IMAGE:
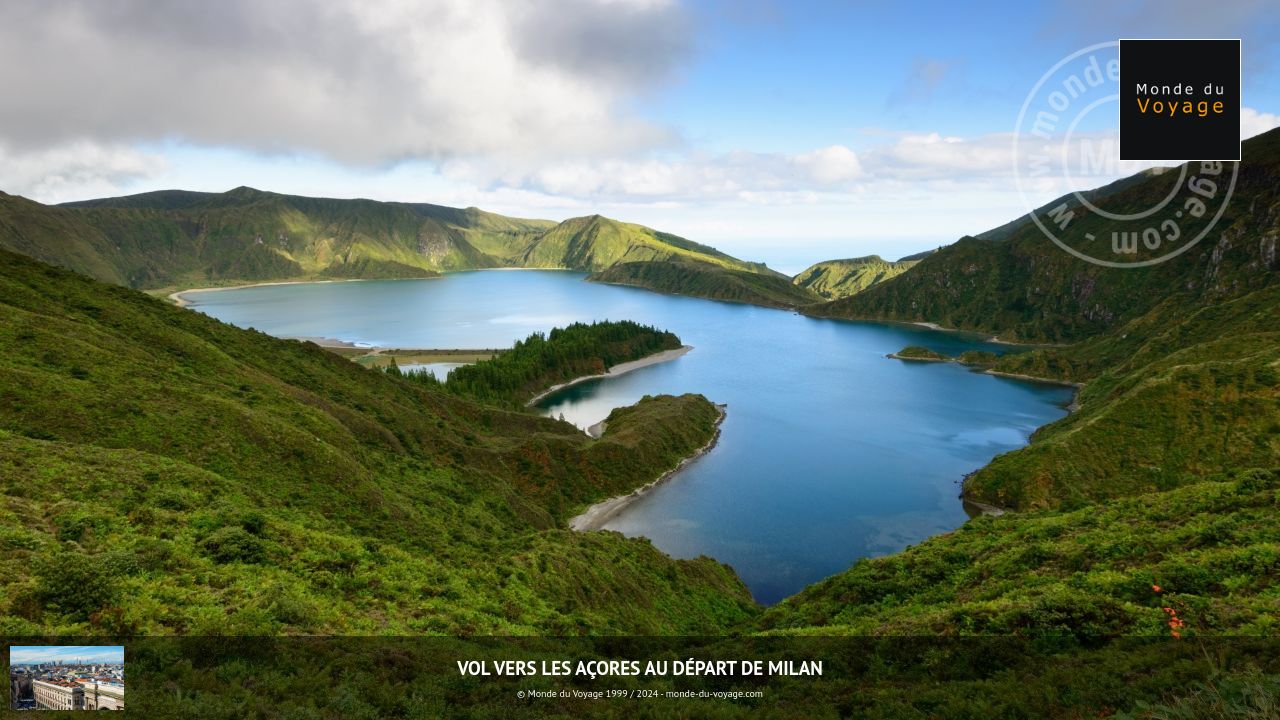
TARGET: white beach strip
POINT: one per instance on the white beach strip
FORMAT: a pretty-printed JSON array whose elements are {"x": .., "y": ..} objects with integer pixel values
[
  {"x": 618, "y": 369},
  {"x": 178, "y": 298},
  {"x": 594, "y": 517},
  {"x": 181, "y": 301}
]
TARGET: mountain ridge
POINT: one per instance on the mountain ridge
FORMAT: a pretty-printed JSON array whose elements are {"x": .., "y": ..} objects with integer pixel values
[
  {"x": 1013, "y": 282},
  {"x": 179, "y": 238}
]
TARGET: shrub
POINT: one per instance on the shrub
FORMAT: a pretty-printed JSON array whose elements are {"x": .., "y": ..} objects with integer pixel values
[
  {"x": 121, "y": 562},
  {"x": 233, "y": 544},
  {"x": 18, "y": 538},
  {"x": 153, "y": 554},
  {"x": 74, "y": 584},
  {"x": 173, "y": 499},
  {"x": 253, "y": 521},
  {"x": 73, "y": 527}
]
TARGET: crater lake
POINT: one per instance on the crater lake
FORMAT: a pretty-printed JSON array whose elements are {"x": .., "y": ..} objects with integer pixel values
[{"x": 829, "y": 452}]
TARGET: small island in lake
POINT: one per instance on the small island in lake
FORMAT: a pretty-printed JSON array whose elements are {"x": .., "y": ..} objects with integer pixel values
[{"x": 919, "y": 354}]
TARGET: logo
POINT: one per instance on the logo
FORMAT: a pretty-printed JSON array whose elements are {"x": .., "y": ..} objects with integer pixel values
[
  {"x": 1180, "y": 99},
  {"x": 1110, "y": 212}
]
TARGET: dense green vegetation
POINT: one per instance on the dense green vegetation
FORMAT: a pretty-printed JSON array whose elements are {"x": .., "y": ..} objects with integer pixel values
[
  {"x": 165, "y": 473},
  {"x": 542, "y": 360},
  {"x": 705, "y": 280},
  {"x": 1170, "y": 399},
  {"x": 186, "y": 239},
  {"x": 362, "y": 268},
  {"x": 915, "y": 352},
  {"x": 834, "y": 279},
  {"x": 1088, "y": 574}
]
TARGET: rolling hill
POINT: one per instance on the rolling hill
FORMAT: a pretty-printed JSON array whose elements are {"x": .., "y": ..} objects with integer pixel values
[
  {"x": 834, "y": 279},
  {"x": 180, "y": 238}
]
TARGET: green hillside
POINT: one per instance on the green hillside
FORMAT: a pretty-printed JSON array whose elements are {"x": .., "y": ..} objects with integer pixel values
[
  {"x": 1210, "y": 547},
  {"x": 177, "y": 238},
  {"x": 706, "y": 280},
  {"x": 165, "y": 473},
  {"x": 595, "y": 243},
  {"x": 832, "y": 279},
  {"x": 1024, "y": 288},
  {"x": 1173, "y": 397}
]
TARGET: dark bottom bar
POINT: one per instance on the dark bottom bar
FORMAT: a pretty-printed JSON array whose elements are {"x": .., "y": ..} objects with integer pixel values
[{"x": 361, "y": 677}]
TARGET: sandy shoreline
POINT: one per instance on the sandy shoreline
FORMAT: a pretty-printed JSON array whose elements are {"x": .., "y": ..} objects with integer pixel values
[
  {"x": 177, "y": 297},
  {"x": 1073, "y": 406},
  {"x": 983, "y": 508},
  {"x": 989, "y": 338},
  {"x": 180, "y": 301},
  {"x": 616, "y": 370},
  {"x": 594, "y": 517},
  {"x": 1033, "y": 378}
]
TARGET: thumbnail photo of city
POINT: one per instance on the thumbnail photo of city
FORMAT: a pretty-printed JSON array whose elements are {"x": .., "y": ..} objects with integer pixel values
[{"x": 66, "y": 677}]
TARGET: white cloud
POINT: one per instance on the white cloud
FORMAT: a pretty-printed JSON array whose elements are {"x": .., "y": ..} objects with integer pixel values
[
  {"x": 75, "y": 170},
  {"x": 364, "y": 83},
  {"x": 692, "y": 177},
  {"x": 932, "y": 156},
  {"x": 829, "y": 165},
  {"x": 1253, "y": 122}
]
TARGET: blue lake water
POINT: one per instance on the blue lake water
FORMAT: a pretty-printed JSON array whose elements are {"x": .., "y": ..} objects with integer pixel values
[{"x": 830, "y": 451}]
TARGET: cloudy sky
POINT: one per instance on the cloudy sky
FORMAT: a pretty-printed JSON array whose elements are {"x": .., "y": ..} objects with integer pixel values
[
  {"x": 780, "y": 131},
  {"x": 33, "y": 654}
]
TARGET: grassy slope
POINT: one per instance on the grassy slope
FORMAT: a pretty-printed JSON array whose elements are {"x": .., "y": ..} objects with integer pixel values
[
  {"x": 1174, "y": 396},
  {"x": 832, "y": 279},
  {"x": 1212, "y": 547},
  {"x": 221, "y": 481},
  {"x": 705, "y": 280}
]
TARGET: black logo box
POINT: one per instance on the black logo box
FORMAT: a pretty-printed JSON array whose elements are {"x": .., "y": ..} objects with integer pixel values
[{"x": 1185, "y": 67}]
